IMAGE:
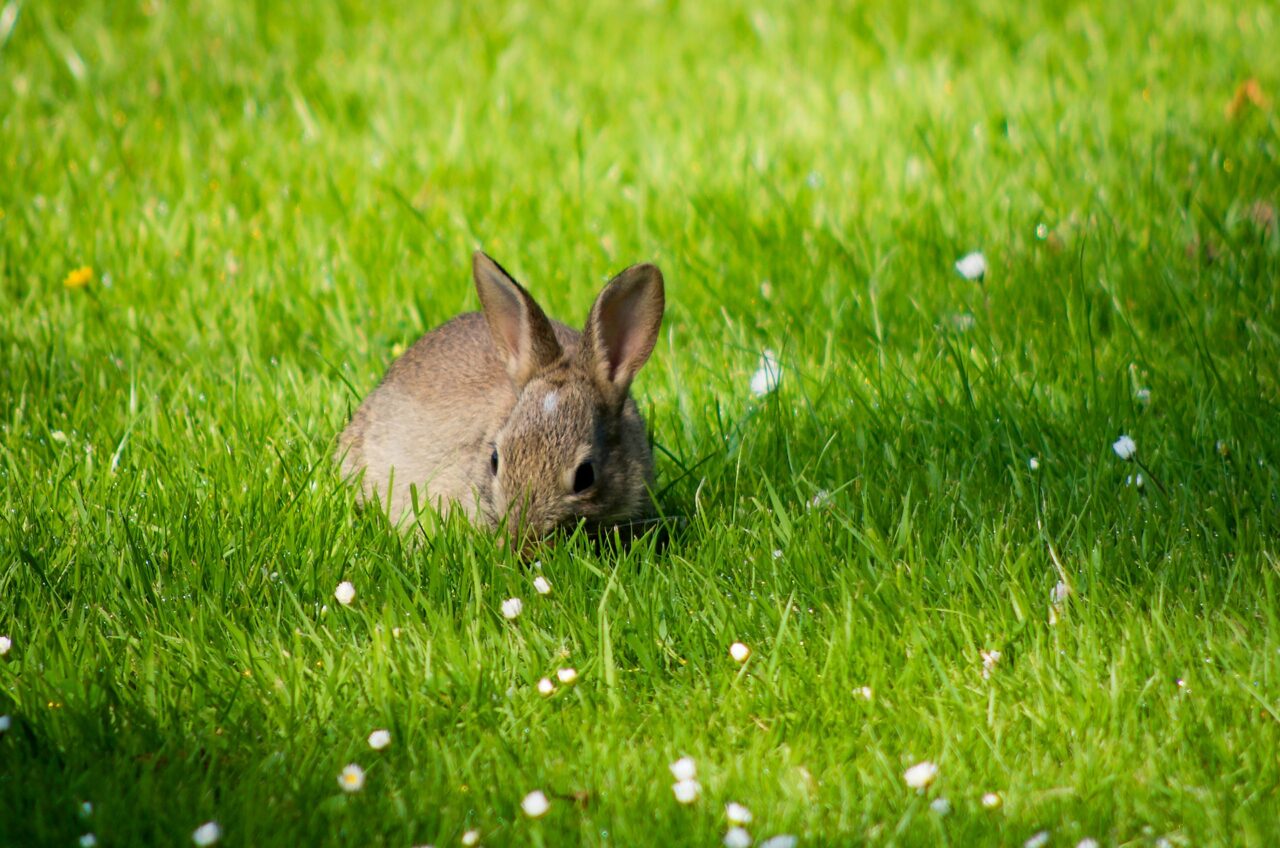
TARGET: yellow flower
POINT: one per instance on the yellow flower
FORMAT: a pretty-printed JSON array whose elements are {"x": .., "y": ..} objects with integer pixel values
[{"x": 79, "y": 278}]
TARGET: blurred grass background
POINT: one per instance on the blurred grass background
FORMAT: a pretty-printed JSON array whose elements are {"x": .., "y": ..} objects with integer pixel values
[{"x": 273, "y": 198}]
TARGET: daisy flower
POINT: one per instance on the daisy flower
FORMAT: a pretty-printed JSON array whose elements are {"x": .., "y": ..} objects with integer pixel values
[
  {"x": 684, "y": 769},
  {"x": 972, "y": 266},
  {"x": 567, "y": 676},
  {"x": 511, "y": 608},
  {"x": 207, "y": 833},
  {"x": 345, "y": 593},
  {"x": 546, "y": 688},
  {"x": 6, "y": 644},
  {"x": 535, "y": 804},
  {"x": 352, "y": 778},
  {"x": 920, "y": 775},
  {"x": 992, "y": 801},
  {"x": 737, "y": 814},
  {"x": 768, "y": 374},
  {"x": 542, "y": 585},
  {"x": 1125, "y": 447},
  {"x": 686, "y": 791},
  {"x": 739, "y": 652},
  {"x": 470, "y": 838},
  {"x": 737, "y": 838},
  {"x": 989, "y": 660},
  {"x": 379, "y": 739},
  {"x": 88, "y": 841}
]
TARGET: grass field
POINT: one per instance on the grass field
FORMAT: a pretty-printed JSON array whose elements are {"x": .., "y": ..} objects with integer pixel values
[{"x": 273, "y": 199}]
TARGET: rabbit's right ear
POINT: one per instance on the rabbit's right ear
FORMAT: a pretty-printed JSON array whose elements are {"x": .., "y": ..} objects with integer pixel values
[{"x": 522, "y": 335}]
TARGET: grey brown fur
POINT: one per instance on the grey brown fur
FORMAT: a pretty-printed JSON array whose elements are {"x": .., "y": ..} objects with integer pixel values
[{"x": 547, "y": 397}]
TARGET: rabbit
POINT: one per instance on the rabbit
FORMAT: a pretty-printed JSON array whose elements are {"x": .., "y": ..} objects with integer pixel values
[{"x": 515, "y": 419}]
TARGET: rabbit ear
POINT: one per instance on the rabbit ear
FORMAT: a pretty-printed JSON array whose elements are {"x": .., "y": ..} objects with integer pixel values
[
  {"x": 522, "y": 335},
  {"x": 623, "y": 327}
]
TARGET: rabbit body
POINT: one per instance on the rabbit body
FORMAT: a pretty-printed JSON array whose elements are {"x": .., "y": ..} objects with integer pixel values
[{"x": 508, "y": 415}]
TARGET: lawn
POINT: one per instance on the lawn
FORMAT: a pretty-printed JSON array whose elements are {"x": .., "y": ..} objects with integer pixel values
[{"x": 220, "y": 221}]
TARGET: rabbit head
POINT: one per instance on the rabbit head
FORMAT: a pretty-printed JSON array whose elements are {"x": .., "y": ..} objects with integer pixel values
[{"x": 574, "y": 446}]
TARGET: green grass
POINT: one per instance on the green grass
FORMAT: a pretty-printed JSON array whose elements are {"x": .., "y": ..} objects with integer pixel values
[{"x": 273, "y": 200}]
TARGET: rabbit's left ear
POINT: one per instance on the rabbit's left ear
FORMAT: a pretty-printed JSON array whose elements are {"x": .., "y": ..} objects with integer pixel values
[
  {"x": 623, "y": 328},
  {"x": 521, "y": 333}
]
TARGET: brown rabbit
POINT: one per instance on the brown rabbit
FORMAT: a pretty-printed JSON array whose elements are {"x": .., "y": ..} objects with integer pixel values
[{"x": 508, "y": 415}]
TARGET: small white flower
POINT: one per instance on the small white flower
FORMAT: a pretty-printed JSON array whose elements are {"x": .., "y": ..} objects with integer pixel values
[
  {"x": 535, "y": 804},
  {"x": 542, "y": 585},
  {"x": 379, "y": 739},
  {"x": 992, "y": 801},
  {"x": 1125, "y": 447},
  {"x": 352, "y": 778},
  {"x": 1143, "y": 395},
  {"x": 820, "y": 499},
  {"x": 777, "y": 553},
  {"x": 737, "y": 838},
  {"x": 470, "y": 838},
  {"x": 686, "y": 791},
  {"x": 1033, "y": 463},
  {"x": 6, "y": 644},
  {"x": 1038, "y": 839},
  {"x": 546, "y": 688},
  {"x": 782, "y": 840},
  {"x": 767, "y": 375},
  {"x": 1087, "y": 842},
  {"x": 920, "y": 775},
  {"x": 511, "y": 608},
  {"x": 684, "y": 769},
  {"x": 1135, "y": 480},
  {"x": 86, "y": 809},
  {"x": 1061, "y": 591},
  {"x": 5, "y": 723},
  {"x": 88, "y": 841},
  {"x": 940, "y": 806},
  {"x": 737, "y": 813},
  {"x": 345, "y": 593},
  {"x": 989, "y": 660},
  {"x": 863, "y": 692},
  {"x": 207, "y": 833},
  {"x": 972, "y": 266},
  {"x": 61, "y": 438},
  {"x": 567, "y": 676},
  {"x": 739, "y": 652}
]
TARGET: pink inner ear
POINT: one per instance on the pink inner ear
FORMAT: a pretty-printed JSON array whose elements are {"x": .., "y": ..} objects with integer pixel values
[{"x": 625, "y": 332}]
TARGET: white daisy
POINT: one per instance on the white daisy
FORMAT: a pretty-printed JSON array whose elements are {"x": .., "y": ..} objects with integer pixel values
[
  {"x": 767, "y": 375},
  {"x": 207, "y": 833},
  {"x": 546, "y": 688},
  {"x": 379, "y": 739},
  {"x": 940, "y": 806},
  {"x": 535, "y": 804},
  {"x": 86, "y": 809},
  {"x": 352, "y": 778},
  {"x": 739, "y": 652},
  {"x": 1087, "y": 842},
  {"x": 5, "y": 723},
  {"x": 345, "y": 593},
  {"x": 511, "y": 608},
  {"x": 863, "y": 692},
  {"x": 6, "y": 644},
  {"x": 1143, "y": 396},
  {"x": 1033, "y": 463},
  {"x": 989, "y": 660},
  {"x": 737, "y": 813},
  {"x": 992, "y": 801},
  {"x": 567, "y": 676},
  {"x": 684, "y": 769},
  {"x": 88, "y": 841},
  {"x": 542, "y": 585},
  {"x": 972, "y": 266},
  {"x": 1125, "y": 447},
  {"x": 471, "y": 837},
  {"x": 737, "y": 838},
  {"x": 782, "y": 840},
  {"x": 1136, "y": 481},
  {"x": 1061, "y": 591},
  {"x": 1038, "y": 839},
  {"x": 686, "y": 791},
  {"x": 920, "y": 775}
]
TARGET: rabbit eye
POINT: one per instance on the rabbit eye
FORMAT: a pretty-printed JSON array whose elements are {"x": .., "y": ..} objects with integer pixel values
[
  {"x": 493, "y": 461},
  {"x": 584, "y": 478}
]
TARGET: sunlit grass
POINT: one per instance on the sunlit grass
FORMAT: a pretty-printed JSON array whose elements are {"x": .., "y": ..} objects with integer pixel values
[{"x": 220, "y": 221}]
